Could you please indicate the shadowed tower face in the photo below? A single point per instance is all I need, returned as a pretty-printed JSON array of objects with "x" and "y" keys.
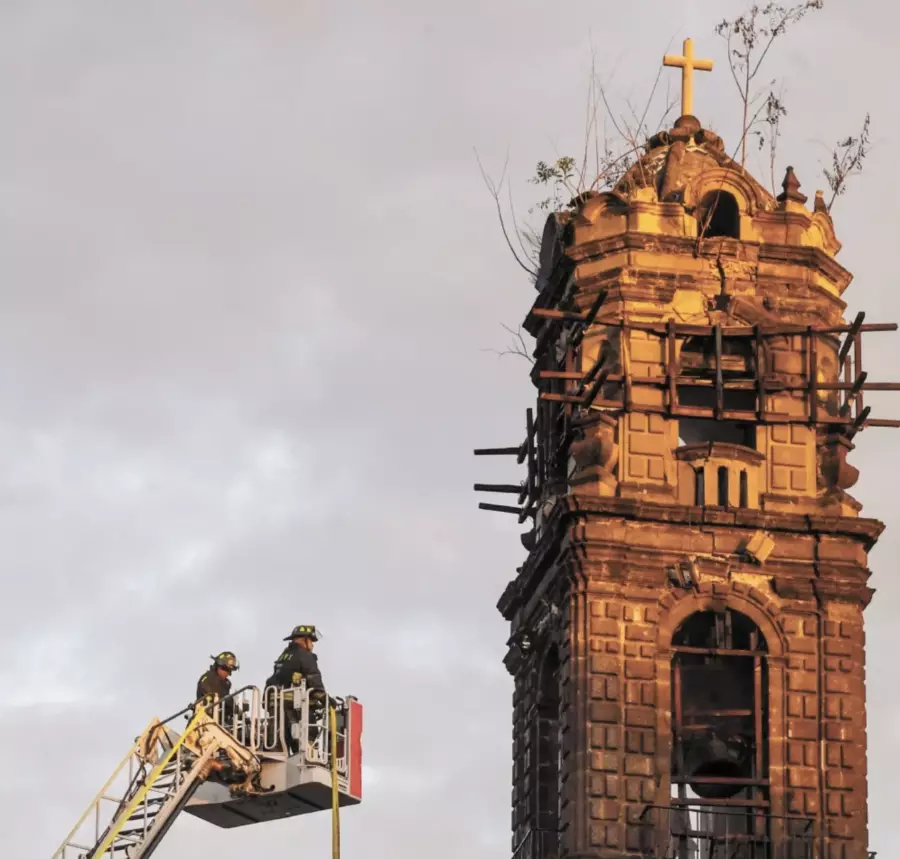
[{"x": 687, "y": 629}]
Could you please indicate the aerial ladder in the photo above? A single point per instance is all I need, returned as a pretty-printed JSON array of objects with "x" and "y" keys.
[{"x": 237, "y": 762}]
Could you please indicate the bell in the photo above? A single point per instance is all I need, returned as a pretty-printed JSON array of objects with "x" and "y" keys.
[{"x": 712, "y": 756}]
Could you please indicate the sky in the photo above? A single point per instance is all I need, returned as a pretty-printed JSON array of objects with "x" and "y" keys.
[{"x": 251, "y": 279}]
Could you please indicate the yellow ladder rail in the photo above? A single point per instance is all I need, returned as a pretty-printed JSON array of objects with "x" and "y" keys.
[
  {"x": 139, "y": 797},
  {"x": 100, "y": 794},
  {"x": 335, "y": 795}
]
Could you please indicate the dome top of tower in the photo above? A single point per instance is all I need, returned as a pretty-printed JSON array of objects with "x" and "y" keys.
[{"x": 674, "y": 159}]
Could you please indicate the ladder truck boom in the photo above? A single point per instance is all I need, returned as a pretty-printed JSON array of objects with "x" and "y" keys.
[{"x": 234, "y": 764}]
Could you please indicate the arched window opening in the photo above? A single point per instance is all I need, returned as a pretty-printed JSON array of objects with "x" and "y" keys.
[
  {"x": 547, "y": 751},
  {"x": 722, "y": 478},
  {"x": 744, "y": 490},
  {"x": 700, "y": 487},
  {"x": 719, "y": 215},
  {"x": 720, "y": 732}
]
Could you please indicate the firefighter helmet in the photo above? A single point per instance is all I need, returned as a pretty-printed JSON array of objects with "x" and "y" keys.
[
  {"x": 304, "y": 631},
  {"x": 226, "y": 660}
]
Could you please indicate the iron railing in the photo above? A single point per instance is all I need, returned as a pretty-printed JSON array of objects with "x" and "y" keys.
[
  {"x": 704, "y": 832},
  {"x": 697, "y": 832}
]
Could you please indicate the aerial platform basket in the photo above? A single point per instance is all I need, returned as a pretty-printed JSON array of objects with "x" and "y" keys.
[
  {"x": 299, "y": 783},
  {"x": 254, "y": 757}
]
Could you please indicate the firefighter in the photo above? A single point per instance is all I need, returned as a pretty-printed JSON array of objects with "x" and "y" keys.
[
  {"x": 298, "y": 663},
  {"x": 215, "y": 684}
]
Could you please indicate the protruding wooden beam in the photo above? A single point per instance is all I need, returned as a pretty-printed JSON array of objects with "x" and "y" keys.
[
  {"x": 562, "y": 315},
  {"x": 550, "y": 397},
  {"x": 594, "y": 309},
  {"x": 499, "y": 508},
  {"x": 496, "y": 451},
  {"x": 720, "y": 378},
  {"x": 851, "y": 336},
  {"x": 509, "y": 488},
  {"x": 812, "y": 339},
  {"x": 852, "y": 394},
  {"x": 860, "y": 422},
  {"x": 561, "y": 374}
]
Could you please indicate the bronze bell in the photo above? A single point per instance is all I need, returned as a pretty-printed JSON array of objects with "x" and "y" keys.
[{"x": 712, "y": 755}]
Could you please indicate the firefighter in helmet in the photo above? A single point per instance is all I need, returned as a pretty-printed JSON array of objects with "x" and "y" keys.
[
  {"x": 296, "y": 664},
  {"x": 215, "y": 684}
]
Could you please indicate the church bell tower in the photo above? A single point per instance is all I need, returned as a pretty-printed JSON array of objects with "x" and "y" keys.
[{"x": 687, "y": 633}]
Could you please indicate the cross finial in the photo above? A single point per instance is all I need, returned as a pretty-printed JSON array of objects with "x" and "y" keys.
[{"x": 687, "y": 64}]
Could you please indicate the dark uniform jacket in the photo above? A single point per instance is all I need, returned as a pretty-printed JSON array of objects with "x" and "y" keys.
[
  {"x": 211, "y": 685},
  {"x": 296, "y": 664}
]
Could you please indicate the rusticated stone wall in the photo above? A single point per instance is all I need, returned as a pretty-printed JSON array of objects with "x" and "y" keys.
[{"x": 613, "y": 634}]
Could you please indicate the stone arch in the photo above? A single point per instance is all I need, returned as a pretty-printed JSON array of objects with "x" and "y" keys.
[
  {"x": 676, "y": 606},
  {"x": 601, "y": 216},
  {"x": 600, "y": 204},
  {"x": 718, "y": 215},
  {"x": 749, "y": 196}
]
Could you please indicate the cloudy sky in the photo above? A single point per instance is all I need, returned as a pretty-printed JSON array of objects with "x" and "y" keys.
[{"x": 249, "y": 275}]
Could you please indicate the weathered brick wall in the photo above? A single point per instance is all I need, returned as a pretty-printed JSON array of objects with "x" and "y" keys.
[
  {"x": 647, "y": 447},
  {"x": 616, "y": 712},
  {"x": 826, "y": 743},
  {"x": 611, "y": 656},
  {"x": 844, "y": 729}
]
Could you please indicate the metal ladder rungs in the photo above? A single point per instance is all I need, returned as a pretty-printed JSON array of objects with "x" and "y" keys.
[{"x": 116, "y": 799}]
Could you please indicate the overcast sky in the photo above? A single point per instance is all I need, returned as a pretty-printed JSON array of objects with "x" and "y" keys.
[{"x": 249, "y": 273}]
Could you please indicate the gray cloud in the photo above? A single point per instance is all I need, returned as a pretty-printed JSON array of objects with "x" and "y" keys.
[{"x": 248, "y": 273}]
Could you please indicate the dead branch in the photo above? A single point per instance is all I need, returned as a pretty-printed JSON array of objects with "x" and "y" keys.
[
  {"x": 517, "y": 345},
  {"x": 846, "y": 160},
  {"x": 775, "y": 112},
  {"x": 749, "y": 38},
  {"x": 494, "y": 189}
]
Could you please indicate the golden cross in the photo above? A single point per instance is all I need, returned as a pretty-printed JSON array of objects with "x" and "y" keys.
[{"x": 687, "y": 64}]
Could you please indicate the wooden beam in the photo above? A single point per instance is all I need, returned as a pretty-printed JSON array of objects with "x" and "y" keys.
[
  {"x": 858, "y": 366},
  {"x": 811, "y": 339},
  {"x": 528, "y": 489},
  {"x": 550, "y": 397},
  {"x": 759, "y": 354},
  {"x": 561, "y": 374},
  {"x": 625, "y": 357},
  {"x": 594, "y": 308},
  {"x": 720, "y": 379},
  {"x": 671, "y": 365},
  {"x": 509, "y": 488},
  {"x": 592, "y": 373},
  {"x": 499, "y": 508},
  {"x": 852, "y": 394},
  {"x": 859, "y": 423},
  {"x": 563, "y": 315},
  {"x": 851, "y": 336},
  {"x": 590, "y": 397},
  {"x": 496, "y": 451},
  {"x": 686, "y": 330},
  {"x": 750, "y": 384}
]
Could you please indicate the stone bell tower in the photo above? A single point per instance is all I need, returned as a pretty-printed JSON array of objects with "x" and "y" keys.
[{"x": 687, "y": 629}]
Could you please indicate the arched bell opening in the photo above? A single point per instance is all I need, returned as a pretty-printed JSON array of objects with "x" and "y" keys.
[
  {"x": 720, "y": 727},
  {"x": 719, "y": 215}
]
